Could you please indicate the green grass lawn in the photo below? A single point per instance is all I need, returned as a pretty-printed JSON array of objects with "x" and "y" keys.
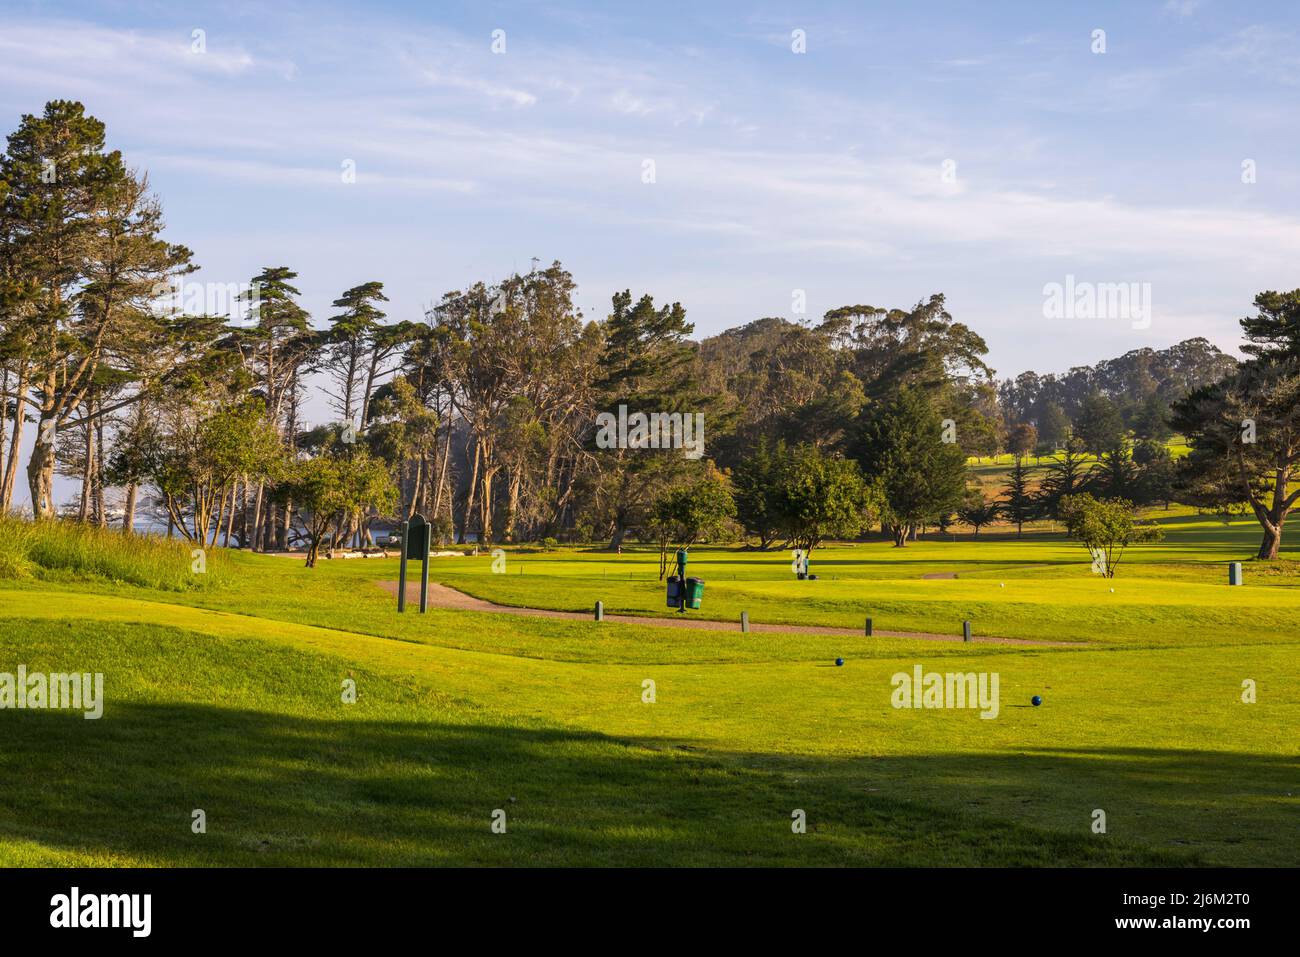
[
  {"x": 1039, "y": 587},
  {"x": 226, "y": 697}
]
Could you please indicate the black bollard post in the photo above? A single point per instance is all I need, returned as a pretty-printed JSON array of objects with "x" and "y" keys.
[
  {"x": 869, "y": 628},
  {"x": 965, "y": 631}
]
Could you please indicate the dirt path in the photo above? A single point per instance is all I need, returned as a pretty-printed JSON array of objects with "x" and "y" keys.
[{"x": 441, "y": 596}]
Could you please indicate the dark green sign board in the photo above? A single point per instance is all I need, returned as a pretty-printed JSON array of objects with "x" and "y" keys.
[
  {"x": 415, "y": 544},
  {"x": 415, "y": 538}
]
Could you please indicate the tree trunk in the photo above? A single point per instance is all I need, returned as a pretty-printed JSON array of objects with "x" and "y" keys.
[
  {"x": 87, "y": 475},
  {"x": 128, "y": 514},
  {"x": 372, "y": 373},
  {"x": 40, "y": 470},
  {"x": 15, "y": 444},
  {"x": 417, "y": 489},
  {"x": 234, "y": 502},
  {"x": 4, "y": 427},
  {"x": 485, "y": 535},
  {"x": 441, "y": 481},
  {"x": 216, "y": 526},
  {"x": 101, "y": 512},
  {"x": 470, "y": 496},
  {"x": 270, "y": 535},
  {"x": 512, "y": 506},
  {"x": 1268, "y": 548},
  {"x": 255, "y": 530}
]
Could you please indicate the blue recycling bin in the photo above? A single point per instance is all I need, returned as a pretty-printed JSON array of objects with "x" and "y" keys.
[{"x": 674, "y": 591}]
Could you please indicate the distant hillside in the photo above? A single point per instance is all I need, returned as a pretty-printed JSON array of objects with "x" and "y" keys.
[{"x": 1137, "y": 377}]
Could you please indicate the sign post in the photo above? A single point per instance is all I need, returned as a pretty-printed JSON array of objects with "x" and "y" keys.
[
  {"x": 424, "y": 572},
  {"x": 415, "y": 544},
  {"x": 682, "y": 556},
  {"x": 401, "y": 568}
]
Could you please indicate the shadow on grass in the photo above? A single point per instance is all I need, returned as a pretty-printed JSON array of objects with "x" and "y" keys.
[{"x": 291, "y": 790}]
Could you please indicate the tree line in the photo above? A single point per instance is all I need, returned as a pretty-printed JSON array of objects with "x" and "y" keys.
[{"x": 481, "y": 414}]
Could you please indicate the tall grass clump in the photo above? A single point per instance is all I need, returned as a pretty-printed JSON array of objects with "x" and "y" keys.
[{"x": 55, "y": 550}]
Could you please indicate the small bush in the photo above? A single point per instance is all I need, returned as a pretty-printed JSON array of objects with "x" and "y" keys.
[{"x": 69, "y": 550}]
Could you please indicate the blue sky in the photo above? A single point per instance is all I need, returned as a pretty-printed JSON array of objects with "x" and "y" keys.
[{"x": 774, "y": 171}]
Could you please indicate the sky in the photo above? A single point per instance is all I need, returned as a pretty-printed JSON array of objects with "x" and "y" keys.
[{"x": 981, "y": 150}]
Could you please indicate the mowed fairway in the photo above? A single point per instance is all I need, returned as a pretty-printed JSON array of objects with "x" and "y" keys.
[{"x": 228, "y": 699}]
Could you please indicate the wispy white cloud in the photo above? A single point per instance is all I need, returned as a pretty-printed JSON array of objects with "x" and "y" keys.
[
  {"x": 482, "y": 88},
  {"x": 236, "y": 169},
  {"x": 762, "y": 172},
  {"x": 1263, "y": 51},
  {"x": 1182, "y": 8},
  {"x": 109, "y": 53}
]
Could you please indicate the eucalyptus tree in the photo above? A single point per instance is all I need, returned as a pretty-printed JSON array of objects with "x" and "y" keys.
[
  {"x": 516, "y": 363},
  {"x": 888, "y": 349},
  {"x": 481, "y": 328},
  {"x": 430, "y": 365},
  {"x": 557, "y": 364},
  {"x": 772, "y": 379}
]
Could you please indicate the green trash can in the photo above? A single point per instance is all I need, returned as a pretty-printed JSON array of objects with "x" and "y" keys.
[{"x": 694, "y": 592}]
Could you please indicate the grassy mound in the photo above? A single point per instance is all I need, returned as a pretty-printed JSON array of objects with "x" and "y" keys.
[{"x": 63, "y": 551}]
